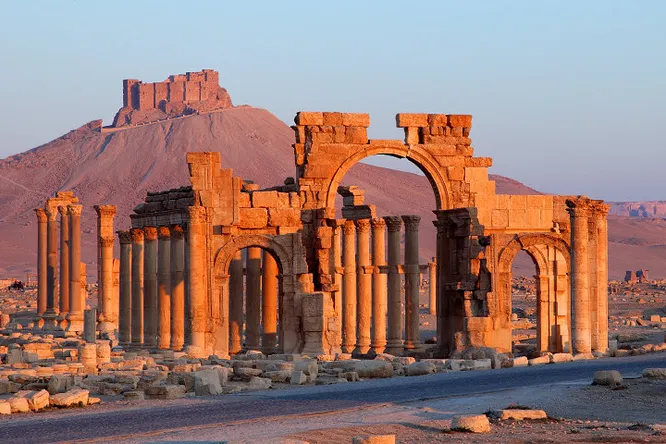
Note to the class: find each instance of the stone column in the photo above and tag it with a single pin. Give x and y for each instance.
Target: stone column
(76, 301)
(42, 260)
(349, 287)
(177, 263)
(236, 303)
(196, 244)
(49, 315)
(412, 273)
(364, 288)
(601, 221)
(335, 261)
(137, 285)
(64, 262)
(164, 288)
(579, 210)
(150, 287)
(253, 299)
(432, 285)
(106, 304)
(379, 285)
(269, 287)
(125, 317)
(394, 344)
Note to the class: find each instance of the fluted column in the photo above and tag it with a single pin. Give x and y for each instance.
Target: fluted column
(364, 288)
(125, 303)
(76, 301)
(379, 285)
(64, 262)
(600, 216)
(236, 303)
(177, 263)
(150, 287)
(253, 299)
(49, 315)
(269, 287)
(432, 285)
(394, 344)
(579, 211)
(412, 274)
(349, 287)
(42, 260)
(196, 244)
(164, 288)
(137, 285)
(107, 311)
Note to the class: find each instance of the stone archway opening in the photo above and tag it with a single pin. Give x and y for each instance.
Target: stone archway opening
(255, 301)
(524, 304)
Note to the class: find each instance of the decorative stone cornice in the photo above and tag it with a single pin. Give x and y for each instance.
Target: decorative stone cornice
(378, 224)
(394, 223)
(41, 215)
(137, 235)
(150, 233)
(177, 232)
(125, 236)
(349, 227)
(74, 210)
(163, 232)
(411, 222)
(105, 210)
(363, 225)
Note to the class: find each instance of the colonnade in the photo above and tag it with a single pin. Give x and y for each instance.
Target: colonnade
(370, 272)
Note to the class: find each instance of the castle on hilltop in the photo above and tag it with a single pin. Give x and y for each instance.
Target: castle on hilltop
(179, 95)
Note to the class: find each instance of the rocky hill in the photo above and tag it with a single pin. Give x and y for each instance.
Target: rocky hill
(119, 167)
(645, 209)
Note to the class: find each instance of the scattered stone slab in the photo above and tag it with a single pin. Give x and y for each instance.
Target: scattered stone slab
(611, 378)
(654, 373)
(5, 408)
(421, 368)
(471, 423)
(298, 377)
(519, 414)
(18, 404)
(74, 397)
(374, 439)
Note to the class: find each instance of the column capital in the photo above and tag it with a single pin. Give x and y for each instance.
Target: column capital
(349, 227)
(363, 225)
(411, 222)
(51, 213)
(106, 241)
(137, 234)
(74, 209)
(600, 209)
(579, 206)
(336, 223)
(41, 215)
(177, 232)
(196, 214)
(105, 210)
(164, 232)
(432, 265)
(394, 223)
(124, 236)
(62, 210)
(150, 233)
(378, 224)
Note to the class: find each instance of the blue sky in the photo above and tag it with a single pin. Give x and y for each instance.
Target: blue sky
(567, 97)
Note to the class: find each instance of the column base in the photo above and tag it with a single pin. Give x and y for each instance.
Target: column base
(195, 352)
(412, 345)
(75, 322)
(49, 320)
(38, 322)
(378, 347)
(361, 350)
(394, 347)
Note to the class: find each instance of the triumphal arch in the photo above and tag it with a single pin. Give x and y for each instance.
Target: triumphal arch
(311, 282)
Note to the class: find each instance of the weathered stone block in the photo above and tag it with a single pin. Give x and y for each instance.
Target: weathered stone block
(253, 217)
(265, 199)
(612, 378)
(460, 120)
(403, 120)
(472, 423)
(298, 377)
(5, 408)
(18, 405)
(356, 135)
(76, 396)
(356, 119)
(374, 439)
(207, 383)
(437, 120)
(309, 118)
(332, 119)
(289, 217)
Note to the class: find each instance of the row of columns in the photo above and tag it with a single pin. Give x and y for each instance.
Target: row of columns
(371, 284)
(50, 313)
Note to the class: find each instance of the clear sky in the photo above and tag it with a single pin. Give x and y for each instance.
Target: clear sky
(567, 96)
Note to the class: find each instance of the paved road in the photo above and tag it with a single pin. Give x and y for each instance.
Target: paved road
(52, 427)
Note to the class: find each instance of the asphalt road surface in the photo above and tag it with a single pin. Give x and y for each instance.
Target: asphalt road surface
(107, 424)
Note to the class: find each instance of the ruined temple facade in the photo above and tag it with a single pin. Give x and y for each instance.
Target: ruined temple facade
(220, 265)
(180, 94)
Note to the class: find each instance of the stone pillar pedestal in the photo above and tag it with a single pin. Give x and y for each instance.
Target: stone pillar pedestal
(42, 262)
(269, 286)
(432, 285)
(236, 303)
(196, 245)
(379, 286)
(412, 273)
(125, 315)
(64, 264)
(364, 288)
(164, 288)
(579, 211)
(394, 345)
(50, 314)
(107, 303)
(76, 301)
(253, 299)
(349, 287)
(150, 288)
(137, 285)
(177, 263)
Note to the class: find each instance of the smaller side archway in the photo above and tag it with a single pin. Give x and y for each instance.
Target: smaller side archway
(552, 260)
